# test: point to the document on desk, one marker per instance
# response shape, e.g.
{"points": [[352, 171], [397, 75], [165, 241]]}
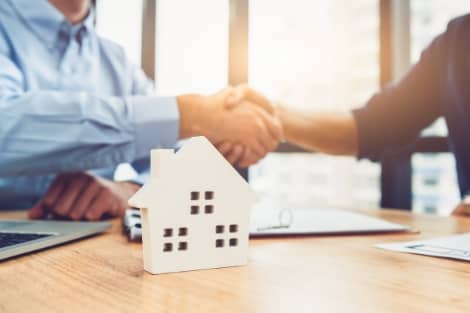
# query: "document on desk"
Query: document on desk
{"points": [[317, 221], [453, 247]]}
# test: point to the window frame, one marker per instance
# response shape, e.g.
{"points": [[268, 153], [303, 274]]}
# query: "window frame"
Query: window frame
{"points": [[395, 59]]}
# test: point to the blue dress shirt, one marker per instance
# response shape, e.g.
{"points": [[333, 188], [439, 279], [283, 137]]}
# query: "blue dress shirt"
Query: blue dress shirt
{"points": [[69, 101]]}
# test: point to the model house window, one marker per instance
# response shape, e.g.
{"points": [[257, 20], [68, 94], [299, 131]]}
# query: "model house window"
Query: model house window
{"points": [[182, 231], [196, 201], [232, 229], [219, 243], [181, 245], [194, 195], [167, 232], [194, 209], [209, 209], [209, 195], [167, 247]]}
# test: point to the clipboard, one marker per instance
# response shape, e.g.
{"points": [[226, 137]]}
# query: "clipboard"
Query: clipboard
{"points": [[294, 222], [317, 221]]}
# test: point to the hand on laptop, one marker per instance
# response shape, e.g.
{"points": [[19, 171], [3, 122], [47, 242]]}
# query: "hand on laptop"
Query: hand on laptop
{"points": [[82, 196]]}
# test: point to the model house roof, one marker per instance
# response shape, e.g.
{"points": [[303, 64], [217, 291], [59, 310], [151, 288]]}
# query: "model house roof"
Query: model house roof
{"points": [[197, 158]]}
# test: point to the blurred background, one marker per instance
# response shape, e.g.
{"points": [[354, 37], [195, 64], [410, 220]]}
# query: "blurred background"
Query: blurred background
{"points": [[312, 54]]}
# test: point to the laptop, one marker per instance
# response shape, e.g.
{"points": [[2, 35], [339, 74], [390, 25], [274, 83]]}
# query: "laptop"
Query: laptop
{"points": [[23, 236]]}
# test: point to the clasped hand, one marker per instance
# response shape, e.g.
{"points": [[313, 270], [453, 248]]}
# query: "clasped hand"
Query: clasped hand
{"points": [[239, 121], [249, 127]]}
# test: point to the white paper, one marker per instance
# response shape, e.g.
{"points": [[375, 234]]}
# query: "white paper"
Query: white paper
{"points": [[312, 221], [453, 247]]}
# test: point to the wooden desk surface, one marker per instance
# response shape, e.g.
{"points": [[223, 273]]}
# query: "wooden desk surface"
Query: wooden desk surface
{"points": [[316, 274]]}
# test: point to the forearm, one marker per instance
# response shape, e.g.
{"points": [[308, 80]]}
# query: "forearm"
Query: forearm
{"points": [[194, 116], [49, 132], [333, 133]]}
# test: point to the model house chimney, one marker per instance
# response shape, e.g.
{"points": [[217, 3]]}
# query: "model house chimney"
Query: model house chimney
{"points": [[161, 162]]}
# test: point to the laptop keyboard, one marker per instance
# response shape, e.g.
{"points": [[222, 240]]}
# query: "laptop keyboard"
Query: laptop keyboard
{"points": [[11, 239]]}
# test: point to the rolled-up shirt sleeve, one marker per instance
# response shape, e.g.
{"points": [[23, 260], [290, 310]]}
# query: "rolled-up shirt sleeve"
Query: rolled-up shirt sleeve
{"points": [[395, 116], [156, 123], [43, 132]]}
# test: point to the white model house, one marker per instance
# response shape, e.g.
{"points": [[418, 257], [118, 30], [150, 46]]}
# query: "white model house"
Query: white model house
{"points": [[195, 210]]}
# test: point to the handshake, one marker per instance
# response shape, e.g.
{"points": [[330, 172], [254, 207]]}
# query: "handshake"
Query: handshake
{"points": [[239, 121]]}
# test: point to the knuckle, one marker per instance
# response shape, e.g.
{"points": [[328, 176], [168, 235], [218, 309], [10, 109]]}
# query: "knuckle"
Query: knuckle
{"points": [[74, 216], [47, 201], [106, 192], [93, 179], [259, 124], [244, 89], [58, 212], [90, 216], [87, 179]]}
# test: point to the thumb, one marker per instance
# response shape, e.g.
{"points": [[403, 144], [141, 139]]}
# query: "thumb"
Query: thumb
{"points": [[231, 102], [230, 97], [37, 211]]}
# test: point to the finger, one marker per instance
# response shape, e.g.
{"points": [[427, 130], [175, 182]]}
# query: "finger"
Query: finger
{"points": [[256, 98], [225, 148], [84, 202], [37, 211], [54, 190], [233, 98], [263, 136], [260, 137], [232, 101], [235, 155], [257, 148], [115, 210], [272, 124], [100, 205], [248, 159], [65, 202], [228, 97]]}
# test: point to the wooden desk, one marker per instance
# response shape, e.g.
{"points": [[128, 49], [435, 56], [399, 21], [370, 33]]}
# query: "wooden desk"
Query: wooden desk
{"points": [[316, 274]]}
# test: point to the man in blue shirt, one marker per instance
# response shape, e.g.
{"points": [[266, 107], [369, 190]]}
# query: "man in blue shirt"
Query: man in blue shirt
{"points": [[438, 85], [71, 101]]}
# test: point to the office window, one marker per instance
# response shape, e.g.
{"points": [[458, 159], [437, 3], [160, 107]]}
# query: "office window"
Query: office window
{"points": [[317, 55], [435, 188], [121, 22], [191, 46], [430, 18]]}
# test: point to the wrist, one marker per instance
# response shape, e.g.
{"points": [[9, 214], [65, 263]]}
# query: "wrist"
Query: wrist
{"points": [[193, 115], [284, 115]]}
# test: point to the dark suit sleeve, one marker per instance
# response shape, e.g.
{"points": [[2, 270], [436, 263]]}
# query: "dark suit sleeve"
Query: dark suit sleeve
{"points": [[395, 116]]}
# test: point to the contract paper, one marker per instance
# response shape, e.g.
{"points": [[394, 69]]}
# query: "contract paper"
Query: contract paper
{"points": [[452, 247], [317, 221]]}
